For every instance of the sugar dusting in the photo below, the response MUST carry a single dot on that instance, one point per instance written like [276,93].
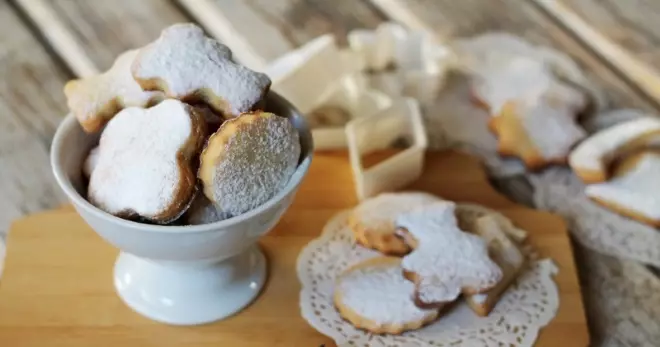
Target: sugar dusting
[636,189]
[259,159]
[188,61]
[90,162]
[117,83]
[203,211]
[546,107]
[380,212]
[381,294]
[447,260]
[137,166]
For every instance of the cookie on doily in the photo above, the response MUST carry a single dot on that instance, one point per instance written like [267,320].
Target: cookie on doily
[506,255]
[373,220]
[95,100]
[373,295]
[248,160]
[591,159]
[634,188]
[186,64]
[145,164]
[446,261]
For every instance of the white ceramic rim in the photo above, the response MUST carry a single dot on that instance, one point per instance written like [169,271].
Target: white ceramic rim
[75,197]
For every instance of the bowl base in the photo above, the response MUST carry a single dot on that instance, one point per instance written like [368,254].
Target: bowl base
[190,293]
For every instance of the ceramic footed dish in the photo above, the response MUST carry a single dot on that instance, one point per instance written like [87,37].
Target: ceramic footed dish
[182,275]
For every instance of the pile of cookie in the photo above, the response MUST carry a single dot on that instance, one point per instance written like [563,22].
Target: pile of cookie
[533,113]
[432,254]
[178,117]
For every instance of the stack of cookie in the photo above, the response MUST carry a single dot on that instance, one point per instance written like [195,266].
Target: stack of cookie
[429,262]
[533,113]
[174,112]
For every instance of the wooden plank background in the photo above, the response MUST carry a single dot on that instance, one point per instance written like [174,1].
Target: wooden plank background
[44,43]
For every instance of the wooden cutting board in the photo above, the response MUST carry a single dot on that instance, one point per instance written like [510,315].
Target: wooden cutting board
[57,287]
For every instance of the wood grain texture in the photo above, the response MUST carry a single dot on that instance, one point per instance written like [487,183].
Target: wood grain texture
[464,18]
[273,27]
[632,24]
[635,71]
[31,106]
[69,302]
[107,28]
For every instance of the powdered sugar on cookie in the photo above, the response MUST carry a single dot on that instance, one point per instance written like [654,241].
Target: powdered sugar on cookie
[90,162]
[591,158]
[372,221]
[375,296]
[187,65]
[248,160]
[203,211]
[446,261]
[96,99]
[634,190]
[144,162]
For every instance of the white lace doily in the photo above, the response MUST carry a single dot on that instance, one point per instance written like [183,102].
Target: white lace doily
[522,311]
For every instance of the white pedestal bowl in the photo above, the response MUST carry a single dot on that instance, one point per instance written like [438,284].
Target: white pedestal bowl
[183,275]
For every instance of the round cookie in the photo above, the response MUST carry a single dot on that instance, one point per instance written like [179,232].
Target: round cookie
[373,220]
[373,295]
[202,211]
[248,160]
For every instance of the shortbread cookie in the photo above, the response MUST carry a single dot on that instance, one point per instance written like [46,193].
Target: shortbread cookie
[634,189]
[373,295]
[187,65]
[95,100]
[90,162]
[144,167]
[468,214]
[445,261]
[524,80]
[373,220]
[505,254]
[249,160]
[203,211]
[539,134]
[591,159]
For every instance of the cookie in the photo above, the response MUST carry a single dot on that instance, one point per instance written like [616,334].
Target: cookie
[90,162]
[95,100]
[468,214]
[591,159]
[634,189]
[187,65]
[523,80]
[145,162]
[445,261]
[373,295]
[539,134]
[372,221]
[506,255]
[203,211]
[249,160]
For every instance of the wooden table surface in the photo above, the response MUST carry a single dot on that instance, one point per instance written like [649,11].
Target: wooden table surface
[44,43]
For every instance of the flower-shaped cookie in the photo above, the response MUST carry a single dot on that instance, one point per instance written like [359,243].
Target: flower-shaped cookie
[144,166]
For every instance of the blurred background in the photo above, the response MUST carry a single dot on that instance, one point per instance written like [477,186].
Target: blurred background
[43,44]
